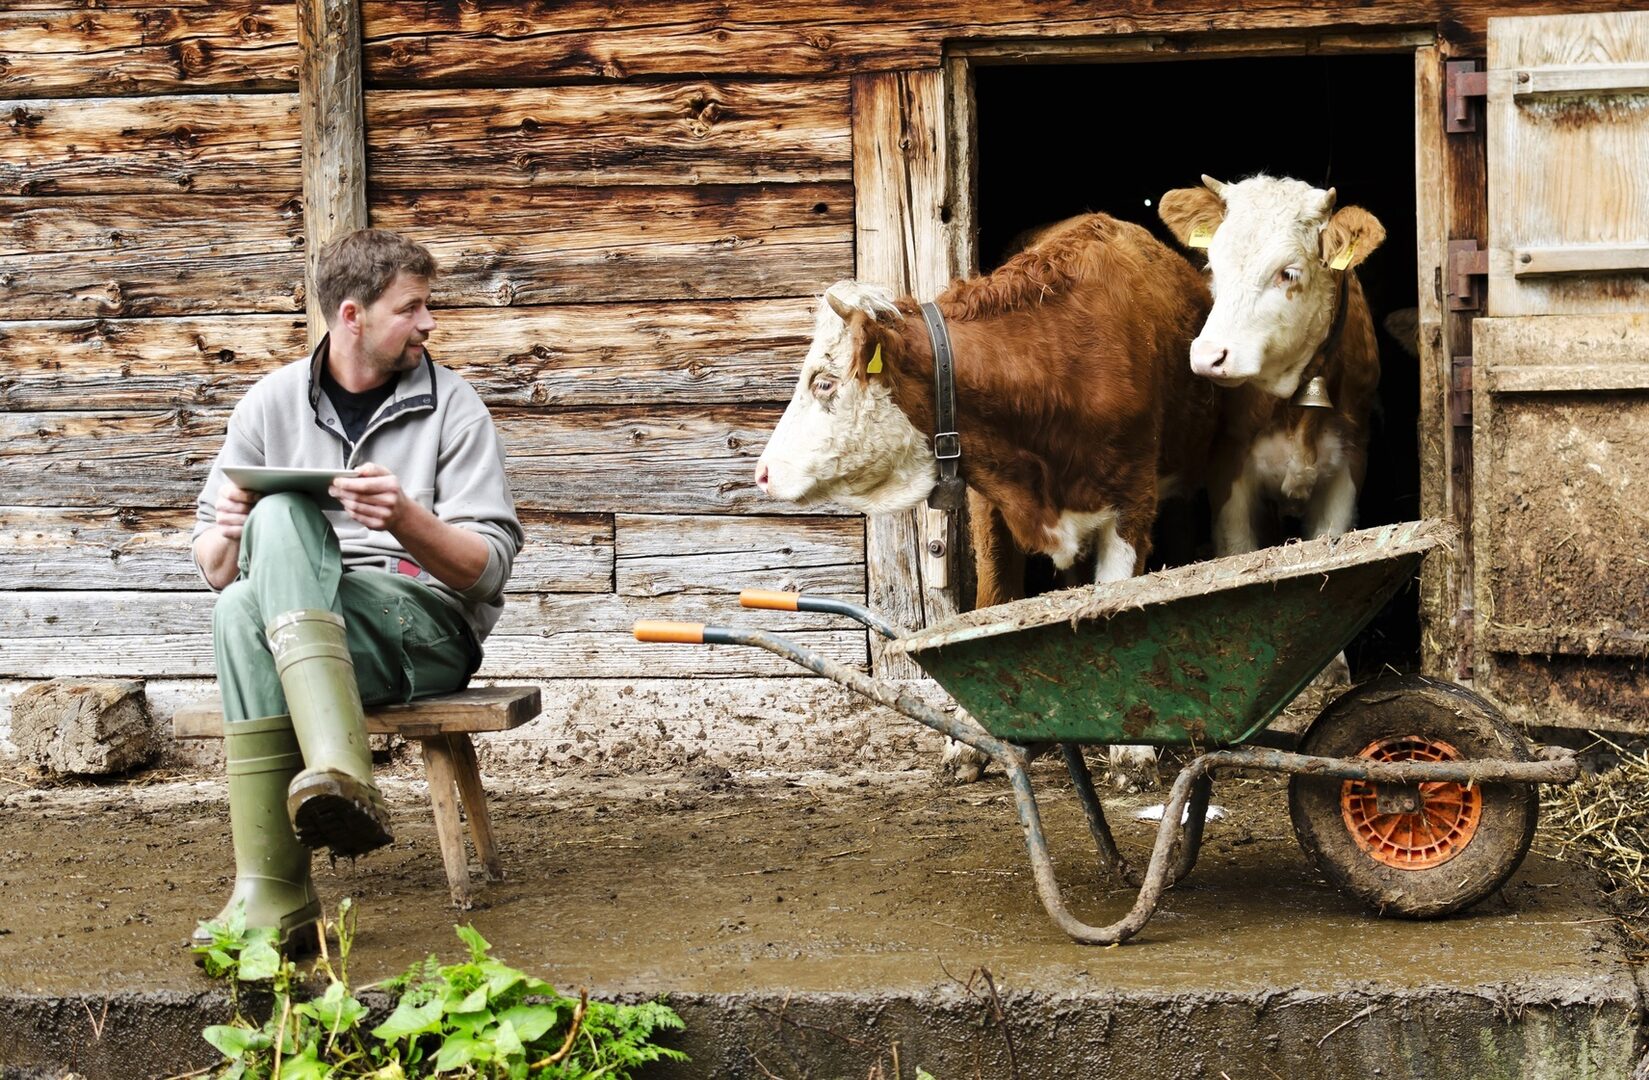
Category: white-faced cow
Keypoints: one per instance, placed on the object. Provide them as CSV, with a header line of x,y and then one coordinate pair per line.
x,y
1287,309
1074,403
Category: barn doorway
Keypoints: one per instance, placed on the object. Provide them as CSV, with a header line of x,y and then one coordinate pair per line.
x,y
1056,140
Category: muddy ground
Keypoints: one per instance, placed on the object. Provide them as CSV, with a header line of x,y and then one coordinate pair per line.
x,y
806,925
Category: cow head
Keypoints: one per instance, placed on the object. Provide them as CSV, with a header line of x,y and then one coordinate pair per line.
x,y
842,438
1276,251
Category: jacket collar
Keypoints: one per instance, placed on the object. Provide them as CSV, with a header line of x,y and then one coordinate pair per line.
x,y
414,391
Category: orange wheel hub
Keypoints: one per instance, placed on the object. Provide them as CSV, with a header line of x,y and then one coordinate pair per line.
x,y
1436,832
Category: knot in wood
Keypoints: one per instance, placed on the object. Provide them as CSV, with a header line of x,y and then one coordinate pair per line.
x,y
540,394
192,57
184,135
21,118
529,126
734,442
252,26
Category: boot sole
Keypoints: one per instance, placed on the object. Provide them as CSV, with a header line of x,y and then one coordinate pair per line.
x,y
336,812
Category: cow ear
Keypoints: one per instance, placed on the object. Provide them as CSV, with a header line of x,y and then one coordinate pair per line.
x,y
1192,215
871,347
1350,236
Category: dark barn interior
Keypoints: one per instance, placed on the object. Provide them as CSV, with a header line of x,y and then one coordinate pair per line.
x,y
1060,140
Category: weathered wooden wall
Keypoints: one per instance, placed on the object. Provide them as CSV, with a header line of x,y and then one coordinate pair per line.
x,y
634,206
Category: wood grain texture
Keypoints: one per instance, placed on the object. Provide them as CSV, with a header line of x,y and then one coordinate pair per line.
x,y
195,143
334,136
503,247
670,554
68,50
693,132
703,352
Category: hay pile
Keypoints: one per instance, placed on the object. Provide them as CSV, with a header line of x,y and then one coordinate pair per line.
x,y
1604,819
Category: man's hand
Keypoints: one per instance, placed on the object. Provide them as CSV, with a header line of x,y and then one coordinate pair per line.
x,y
374,498
233,505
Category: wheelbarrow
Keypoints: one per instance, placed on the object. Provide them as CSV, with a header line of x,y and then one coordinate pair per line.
x,y
1410,793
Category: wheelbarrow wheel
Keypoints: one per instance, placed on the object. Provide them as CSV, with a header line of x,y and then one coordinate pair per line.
x,y
1421,852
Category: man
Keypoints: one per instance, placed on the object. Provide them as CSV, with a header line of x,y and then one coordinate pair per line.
x,y
384,597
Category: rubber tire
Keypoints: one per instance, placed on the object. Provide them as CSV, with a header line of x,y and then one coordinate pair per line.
x,y
1414,705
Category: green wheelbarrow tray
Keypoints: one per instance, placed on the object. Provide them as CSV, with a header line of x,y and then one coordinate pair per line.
x,y
1399,777
1199,655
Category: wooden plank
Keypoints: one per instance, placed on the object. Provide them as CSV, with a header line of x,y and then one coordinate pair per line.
x,y
1588,79
697,132
78,548
1131,48
142,363
612,460
502,247
578,354
694,459
904,186
1580,259
668,554
92,634
205,144
1566,176
1439,577
147,49
148,255
409,42
334,136
478,708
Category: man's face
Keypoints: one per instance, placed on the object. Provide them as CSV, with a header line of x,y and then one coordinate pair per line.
x,y
395,326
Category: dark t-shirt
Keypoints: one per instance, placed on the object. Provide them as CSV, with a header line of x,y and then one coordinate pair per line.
x,y
354,410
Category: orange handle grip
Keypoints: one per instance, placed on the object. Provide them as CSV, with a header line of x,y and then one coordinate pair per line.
x,y
770,599
681,633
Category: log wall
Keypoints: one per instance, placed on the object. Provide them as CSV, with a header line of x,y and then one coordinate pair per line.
x,y
634,206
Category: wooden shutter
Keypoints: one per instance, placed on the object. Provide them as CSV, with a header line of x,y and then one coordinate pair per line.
x,y
1561,375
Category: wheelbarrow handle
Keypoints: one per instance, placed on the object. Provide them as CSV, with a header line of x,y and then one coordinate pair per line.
x,y
775,600
683,633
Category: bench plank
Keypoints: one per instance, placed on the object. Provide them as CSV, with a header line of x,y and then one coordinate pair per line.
x,y
480,708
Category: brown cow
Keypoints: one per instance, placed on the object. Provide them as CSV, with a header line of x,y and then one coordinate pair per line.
x,y
1074,403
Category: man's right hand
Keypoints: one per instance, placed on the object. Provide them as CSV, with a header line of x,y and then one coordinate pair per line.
x,y
233,505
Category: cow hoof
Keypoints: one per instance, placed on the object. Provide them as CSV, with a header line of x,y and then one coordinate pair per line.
x,y
1133,768
961,763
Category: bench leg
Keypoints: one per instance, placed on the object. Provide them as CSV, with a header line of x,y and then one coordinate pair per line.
x,y
475,805
442,771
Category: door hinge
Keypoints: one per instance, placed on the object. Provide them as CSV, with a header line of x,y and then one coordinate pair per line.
x,y
1467,274
1463,83
1460,391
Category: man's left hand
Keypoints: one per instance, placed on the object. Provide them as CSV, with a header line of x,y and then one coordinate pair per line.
x,y
374,498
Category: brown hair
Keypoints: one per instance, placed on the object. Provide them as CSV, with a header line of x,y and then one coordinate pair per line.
x,y
360,265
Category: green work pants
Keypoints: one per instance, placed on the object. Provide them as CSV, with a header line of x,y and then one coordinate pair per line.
x,y
405,640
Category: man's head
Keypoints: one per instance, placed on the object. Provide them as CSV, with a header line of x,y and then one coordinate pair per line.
x,y
374,287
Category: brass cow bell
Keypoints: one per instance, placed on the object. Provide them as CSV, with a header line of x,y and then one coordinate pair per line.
x,y
1314,394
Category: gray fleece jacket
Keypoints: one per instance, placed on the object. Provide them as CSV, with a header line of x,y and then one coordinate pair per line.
x,y
432,432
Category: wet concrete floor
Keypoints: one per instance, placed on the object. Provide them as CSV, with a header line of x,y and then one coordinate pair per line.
x,y
815,926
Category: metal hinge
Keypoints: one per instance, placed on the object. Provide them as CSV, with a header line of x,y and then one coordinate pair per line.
x,y
1462,83
1460,391
1466,275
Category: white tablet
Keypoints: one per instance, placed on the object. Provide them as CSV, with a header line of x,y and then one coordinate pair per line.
x,y
265,479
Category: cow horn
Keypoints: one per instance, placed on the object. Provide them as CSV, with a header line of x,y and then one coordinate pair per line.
x,y
841,309
1328,201
1213,185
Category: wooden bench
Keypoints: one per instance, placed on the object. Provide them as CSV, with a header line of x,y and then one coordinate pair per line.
x,y
442,725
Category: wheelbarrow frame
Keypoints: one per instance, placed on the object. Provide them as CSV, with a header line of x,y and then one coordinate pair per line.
x,y
1179,835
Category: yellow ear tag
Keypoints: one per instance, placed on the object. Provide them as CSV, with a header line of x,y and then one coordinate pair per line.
x,y
1200,237
875,365
1343,259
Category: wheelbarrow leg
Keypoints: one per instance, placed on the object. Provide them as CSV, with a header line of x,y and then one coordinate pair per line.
x,y
1196,815
1110,859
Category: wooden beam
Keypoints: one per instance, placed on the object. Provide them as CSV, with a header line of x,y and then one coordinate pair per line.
x,y
902,173
671,554
334,134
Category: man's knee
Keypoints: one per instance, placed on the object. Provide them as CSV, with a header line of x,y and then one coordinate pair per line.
x,y
236,610
282,507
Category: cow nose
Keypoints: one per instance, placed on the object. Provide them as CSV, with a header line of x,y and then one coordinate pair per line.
x,y
761,476
1206,357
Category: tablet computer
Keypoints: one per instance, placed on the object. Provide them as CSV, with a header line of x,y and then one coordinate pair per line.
x,y
265,479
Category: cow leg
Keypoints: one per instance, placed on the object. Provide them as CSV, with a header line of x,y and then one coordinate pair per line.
x,y
1235,506
1331,512
1132,767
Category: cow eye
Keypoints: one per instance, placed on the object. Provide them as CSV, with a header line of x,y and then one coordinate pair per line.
x,y
1288,275
824,386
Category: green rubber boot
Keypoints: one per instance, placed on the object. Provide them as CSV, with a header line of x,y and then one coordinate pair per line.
x,y
271,867
333,803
